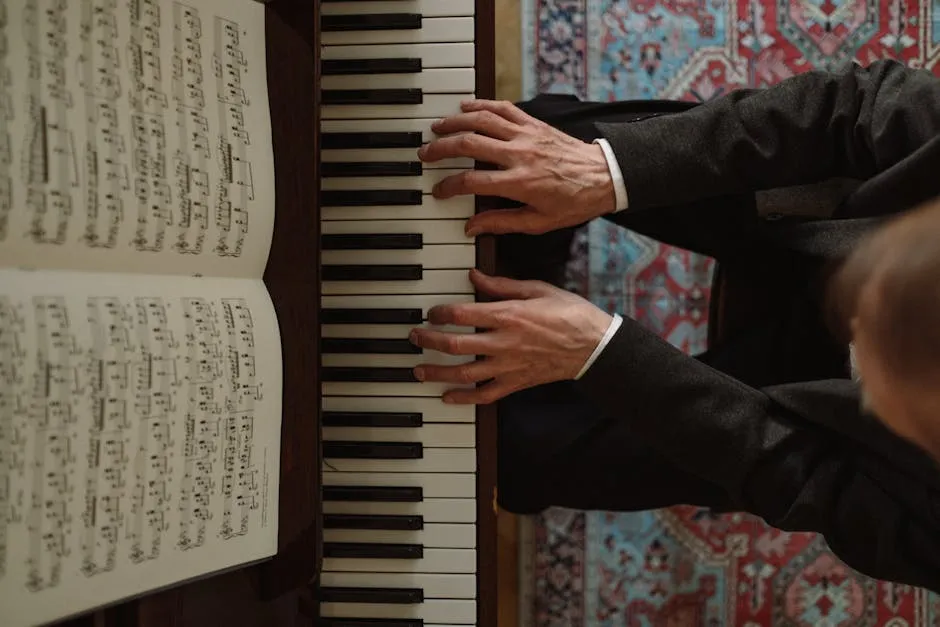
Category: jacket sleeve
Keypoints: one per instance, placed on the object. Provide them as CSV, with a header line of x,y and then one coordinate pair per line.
x,y
797,474
809,128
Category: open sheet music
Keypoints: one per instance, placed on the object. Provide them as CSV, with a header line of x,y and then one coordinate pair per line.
x,y
140,364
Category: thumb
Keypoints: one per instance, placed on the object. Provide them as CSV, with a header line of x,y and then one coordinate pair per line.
x,y
507,289
502,221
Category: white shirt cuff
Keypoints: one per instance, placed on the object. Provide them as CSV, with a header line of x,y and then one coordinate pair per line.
x,y
620,186
614,325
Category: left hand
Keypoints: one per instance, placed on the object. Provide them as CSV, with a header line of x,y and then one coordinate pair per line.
x,y
539,335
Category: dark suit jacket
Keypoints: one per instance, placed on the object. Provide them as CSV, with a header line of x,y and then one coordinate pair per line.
x,y
796,451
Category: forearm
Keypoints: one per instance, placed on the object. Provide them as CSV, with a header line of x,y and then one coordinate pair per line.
x,y
809,128
867,501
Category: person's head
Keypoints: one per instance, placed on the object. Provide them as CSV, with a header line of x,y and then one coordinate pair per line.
x,y
885,298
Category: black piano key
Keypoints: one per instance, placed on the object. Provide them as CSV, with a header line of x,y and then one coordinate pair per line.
x,y
372,550
370,197
377,419
349,374
372,450
408,96
365,521
373,494
378,21
391,596
364,241
371,273
349,141
370,622
350,67
371,316
367,346
335,169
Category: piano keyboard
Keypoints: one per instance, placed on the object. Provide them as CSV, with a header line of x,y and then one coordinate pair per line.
x,y
399,466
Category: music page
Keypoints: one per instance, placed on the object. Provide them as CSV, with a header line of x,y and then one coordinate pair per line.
x,y
135,135
139,435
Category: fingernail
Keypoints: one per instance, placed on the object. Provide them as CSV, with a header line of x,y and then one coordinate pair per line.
x,y
419,373
423,150
448,399
473,231
413,337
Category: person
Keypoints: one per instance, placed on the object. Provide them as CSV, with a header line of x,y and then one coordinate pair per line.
x,y
596,412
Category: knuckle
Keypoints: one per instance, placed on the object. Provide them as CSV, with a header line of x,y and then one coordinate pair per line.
x,y
465,373
452,343
465,142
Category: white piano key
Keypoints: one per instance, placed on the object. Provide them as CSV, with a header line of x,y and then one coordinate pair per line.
x,y
424,302
430,208
433,106
461,612
426,8
456,561
426,389
425,182
429,81
384,331
433,485
378,125
435,536
441,55
433,30
432,509
433,410
433,256
371,360
435,586
430,435
433,282
432,231
434,460
395,155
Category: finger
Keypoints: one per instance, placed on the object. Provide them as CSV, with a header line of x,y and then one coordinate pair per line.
x,y
504,288
484,395
454,343
502,108
484,182
500,221
470,372
485,122
478,147
478,315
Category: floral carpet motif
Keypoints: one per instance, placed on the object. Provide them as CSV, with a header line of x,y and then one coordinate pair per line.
x,y
685,567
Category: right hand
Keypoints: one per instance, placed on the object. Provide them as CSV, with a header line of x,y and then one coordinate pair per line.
x,y
562,180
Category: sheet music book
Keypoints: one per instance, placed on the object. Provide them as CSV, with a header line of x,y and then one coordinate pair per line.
x,y
140,360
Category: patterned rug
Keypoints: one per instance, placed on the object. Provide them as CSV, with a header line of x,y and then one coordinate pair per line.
x,y
684,567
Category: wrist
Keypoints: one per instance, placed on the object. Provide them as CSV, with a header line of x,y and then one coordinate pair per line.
x,y
599,192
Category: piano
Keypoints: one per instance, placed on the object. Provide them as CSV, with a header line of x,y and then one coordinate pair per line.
x,y
409,534
387,499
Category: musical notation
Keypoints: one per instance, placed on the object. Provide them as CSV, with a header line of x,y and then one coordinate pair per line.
x,y
240,470
50,163
108,365
127,431
148,104
235,188
7,119
106,170
51,434
205,380
13,355
193,155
